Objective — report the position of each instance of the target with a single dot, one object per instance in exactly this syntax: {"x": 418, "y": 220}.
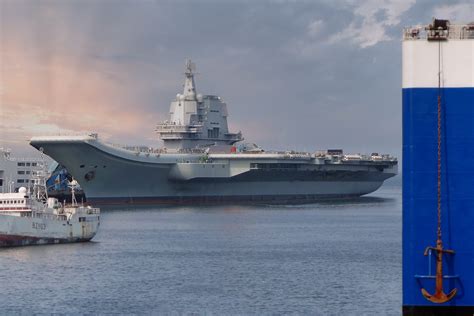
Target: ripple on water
{"x": 327, "y": 258}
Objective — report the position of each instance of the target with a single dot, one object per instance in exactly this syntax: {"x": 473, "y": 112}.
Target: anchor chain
{"x": 439, "y": 235}
{"x": 439, "y": 296}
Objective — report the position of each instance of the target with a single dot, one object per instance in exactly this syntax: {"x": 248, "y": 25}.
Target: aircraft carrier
{"x": 202, "y": 161}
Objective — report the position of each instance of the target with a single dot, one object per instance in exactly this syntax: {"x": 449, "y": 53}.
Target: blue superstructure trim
{"x": 420, "y": 197}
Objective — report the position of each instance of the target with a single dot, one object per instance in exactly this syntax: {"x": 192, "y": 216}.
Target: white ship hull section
{"x": 420, "y": 64}
{"x": 16, "y": 231}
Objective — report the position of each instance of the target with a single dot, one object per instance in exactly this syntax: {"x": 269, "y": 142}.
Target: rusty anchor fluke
{"x": 439, "y": 296}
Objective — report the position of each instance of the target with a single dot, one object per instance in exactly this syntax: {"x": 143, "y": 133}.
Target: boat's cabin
{"x": 21, "y": 204}
{"x": 83, "y": 213}
{"x": 15, "y": 203}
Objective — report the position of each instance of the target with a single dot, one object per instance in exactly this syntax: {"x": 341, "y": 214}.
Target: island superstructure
{"x": 202, "y": 161}
{"x": 196, "y": 120}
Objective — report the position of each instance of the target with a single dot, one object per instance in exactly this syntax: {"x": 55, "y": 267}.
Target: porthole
{"x": 89, "y": 176}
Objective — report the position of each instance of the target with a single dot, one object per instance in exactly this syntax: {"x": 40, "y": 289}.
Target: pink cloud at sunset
{"x": 66, "y": 94}
{"x": 112, "y": 67}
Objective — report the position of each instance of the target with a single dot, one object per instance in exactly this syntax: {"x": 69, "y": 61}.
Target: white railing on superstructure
{"x": 174, "y": 128}
{"x": 454, "y": 32}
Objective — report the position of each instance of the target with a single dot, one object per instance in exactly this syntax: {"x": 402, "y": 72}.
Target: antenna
{"x": 189, "y": 89}
{"x": 39, "y": 180}
{"x": 190, "y": 67}
{"x": 73, "y": 185}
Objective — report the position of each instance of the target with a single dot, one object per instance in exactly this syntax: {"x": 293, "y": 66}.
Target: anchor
{"x": 439, "y": 296}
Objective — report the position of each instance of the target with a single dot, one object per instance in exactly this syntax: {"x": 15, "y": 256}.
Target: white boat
{"x": 34, "y": 219}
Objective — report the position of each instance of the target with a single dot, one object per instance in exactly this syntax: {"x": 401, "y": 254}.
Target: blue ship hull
{"x": 420, "y": 198}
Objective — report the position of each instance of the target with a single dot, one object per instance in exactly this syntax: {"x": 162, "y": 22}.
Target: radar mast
{"x": 189, "y": 90}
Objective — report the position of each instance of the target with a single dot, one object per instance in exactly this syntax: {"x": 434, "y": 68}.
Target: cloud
{"x": 113, "y": 67}
{"x": 371, "y": 20}
{"x": 457, "y": 13}
{"x": 66, "y": 94}
{"x": 315, "y": 27}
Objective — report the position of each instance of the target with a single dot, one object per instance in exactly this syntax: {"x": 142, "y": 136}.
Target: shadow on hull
{"x": 123, "y": 203}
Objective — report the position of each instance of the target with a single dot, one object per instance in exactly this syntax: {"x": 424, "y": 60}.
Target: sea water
{"x": 331, "y": 258}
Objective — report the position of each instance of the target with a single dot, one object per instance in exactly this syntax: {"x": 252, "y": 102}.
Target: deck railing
{"x": 454, "y": 32}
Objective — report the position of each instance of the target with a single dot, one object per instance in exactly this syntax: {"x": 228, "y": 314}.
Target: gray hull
{"x": 21, "y": 240}
{"x": 110, "y": 175}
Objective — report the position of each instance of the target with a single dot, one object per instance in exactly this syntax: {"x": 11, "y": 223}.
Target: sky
{"x": 301, "y": 75}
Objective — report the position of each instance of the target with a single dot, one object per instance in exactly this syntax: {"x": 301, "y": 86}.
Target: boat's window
{"x": 81, "y": 166}
{"x": 28, "y": 164}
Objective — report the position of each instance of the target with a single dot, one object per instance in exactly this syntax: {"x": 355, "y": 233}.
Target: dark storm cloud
{"x": 295, "y": 74}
